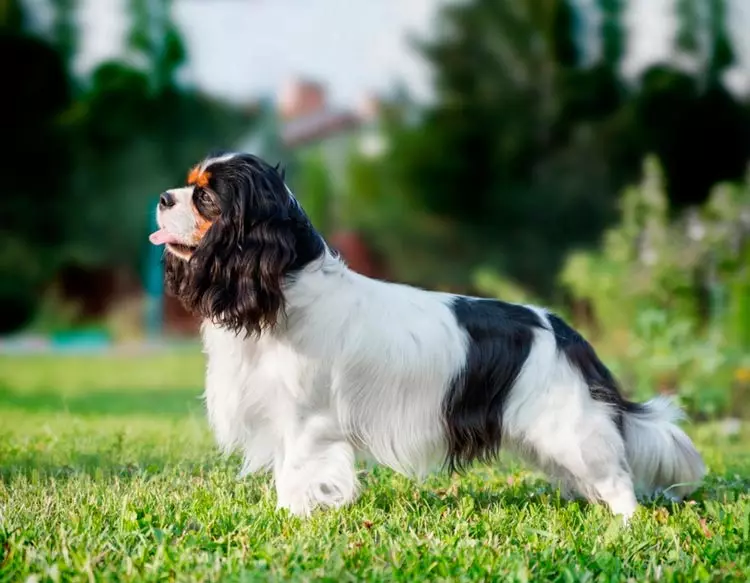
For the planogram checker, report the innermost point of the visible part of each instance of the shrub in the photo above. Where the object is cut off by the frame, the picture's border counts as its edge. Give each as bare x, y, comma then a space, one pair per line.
671, 295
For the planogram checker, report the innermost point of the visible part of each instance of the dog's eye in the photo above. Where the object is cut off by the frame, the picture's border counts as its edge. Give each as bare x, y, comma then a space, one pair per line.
205, 203
202, 197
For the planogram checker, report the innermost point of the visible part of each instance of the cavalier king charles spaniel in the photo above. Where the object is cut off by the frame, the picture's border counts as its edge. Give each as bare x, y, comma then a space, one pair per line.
312, 366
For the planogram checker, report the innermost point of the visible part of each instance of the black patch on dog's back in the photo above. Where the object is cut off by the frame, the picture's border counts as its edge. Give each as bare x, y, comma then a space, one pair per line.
500, 339
602, 385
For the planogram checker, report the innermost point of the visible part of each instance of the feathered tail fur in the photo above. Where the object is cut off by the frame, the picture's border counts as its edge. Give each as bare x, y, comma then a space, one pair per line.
662, 457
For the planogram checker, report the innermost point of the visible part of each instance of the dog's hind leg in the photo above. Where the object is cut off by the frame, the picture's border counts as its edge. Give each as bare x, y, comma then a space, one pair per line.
552, 417
590, 459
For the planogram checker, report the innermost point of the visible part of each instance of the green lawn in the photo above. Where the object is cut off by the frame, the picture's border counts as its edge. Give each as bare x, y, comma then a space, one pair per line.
107, 471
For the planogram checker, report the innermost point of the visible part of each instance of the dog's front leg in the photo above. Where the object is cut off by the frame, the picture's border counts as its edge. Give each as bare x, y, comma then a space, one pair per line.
317, 467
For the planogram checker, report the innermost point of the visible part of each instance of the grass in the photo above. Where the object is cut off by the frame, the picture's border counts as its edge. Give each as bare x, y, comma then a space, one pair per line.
108, 471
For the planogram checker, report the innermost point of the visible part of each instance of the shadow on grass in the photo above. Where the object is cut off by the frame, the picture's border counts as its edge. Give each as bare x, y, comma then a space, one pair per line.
99, 467
502, 497
534, 494
123, 402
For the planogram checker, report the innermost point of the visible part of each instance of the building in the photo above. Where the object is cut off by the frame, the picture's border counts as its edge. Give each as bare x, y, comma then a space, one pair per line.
302, 128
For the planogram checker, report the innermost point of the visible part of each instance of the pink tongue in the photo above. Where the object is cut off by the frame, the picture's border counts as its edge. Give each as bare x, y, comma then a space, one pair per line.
162, 237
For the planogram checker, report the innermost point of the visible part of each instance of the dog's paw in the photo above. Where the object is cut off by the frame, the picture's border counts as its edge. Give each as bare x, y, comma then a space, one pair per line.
301, 508
303, 501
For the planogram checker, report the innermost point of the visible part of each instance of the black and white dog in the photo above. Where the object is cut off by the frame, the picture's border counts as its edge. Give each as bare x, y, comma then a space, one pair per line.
311, 365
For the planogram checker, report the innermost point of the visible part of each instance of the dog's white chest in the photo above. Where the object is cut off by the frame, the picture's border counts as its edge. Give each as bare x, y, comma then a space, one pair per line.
245, 392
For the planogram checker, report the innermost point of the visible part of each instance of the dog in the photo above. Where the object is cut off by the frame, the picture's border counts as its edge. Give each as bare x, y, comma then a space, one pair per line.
312, 366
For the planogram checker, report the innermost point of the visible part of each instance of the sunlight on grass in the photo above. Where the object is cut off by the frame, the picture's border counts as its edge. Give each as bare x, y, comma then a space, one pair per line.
68, 375
132, 489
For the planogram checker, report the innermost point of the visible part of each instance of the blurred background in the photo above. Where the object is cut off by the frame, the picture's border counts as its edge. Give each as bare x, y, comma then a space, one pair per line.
590, 155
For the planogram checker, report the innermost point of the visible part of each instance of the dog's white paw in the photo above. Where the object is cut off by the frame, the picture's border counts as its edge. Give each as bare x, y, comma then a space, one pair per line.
302, 499
624, 507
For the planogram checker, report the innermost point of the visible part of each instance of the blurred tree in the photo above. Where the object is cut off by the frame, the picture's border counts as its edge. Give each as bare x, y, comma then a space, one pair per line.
678, 120
11, 16
64, 33
647, 287
136, 132
527, 148
317, 190
34, 163
612, 32
515, 111
688, 26
82, 169
690, 120
155, 40
721, 54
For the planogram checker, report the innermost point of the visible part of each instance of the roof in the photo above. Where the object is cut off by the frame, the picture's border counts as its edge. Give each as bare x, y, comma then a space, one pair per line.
317, 126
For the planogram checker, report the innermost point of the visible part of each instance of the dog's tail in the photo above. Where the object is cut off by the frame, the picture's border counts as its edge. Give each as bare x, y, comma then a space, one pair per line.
662, 457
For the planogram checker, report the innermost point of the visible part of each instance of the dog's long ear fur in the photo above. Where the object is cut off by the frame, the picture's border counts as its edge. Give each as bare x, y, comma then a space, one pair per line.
237, 280
236, 276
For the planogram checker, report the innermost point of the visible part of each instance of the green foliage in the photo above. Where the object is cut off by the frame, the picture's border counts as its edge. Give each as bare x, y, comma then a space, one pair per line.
490, 284
35, 166
420, 247
90, 157
155, 40
11, 15
108, 472
315, 190
528, 145
688, 19
656, 287
675, 115
721, 55
130, 144
64, 29
503, 152
54, 314
703, 35
613, 33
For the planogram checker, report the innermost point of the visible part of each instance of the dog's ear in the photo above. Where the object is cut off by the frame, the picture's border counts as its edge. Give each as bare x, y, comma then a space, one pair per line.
260, 235
281, 171
237, 273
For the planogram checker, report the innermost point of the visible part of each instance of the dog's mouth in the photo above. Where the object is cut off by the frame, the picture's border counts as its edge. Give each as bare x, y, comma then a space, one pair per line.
172, 243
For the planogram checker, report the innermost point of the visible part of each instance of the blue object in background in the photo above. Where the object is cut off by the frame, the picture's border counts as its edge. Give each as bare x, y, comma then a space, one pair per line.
79, 341
154, 285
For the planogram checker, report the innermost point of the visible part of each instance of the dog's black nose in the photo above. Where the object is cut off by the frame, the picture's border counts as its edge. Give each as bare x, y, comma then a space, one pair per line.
166, 200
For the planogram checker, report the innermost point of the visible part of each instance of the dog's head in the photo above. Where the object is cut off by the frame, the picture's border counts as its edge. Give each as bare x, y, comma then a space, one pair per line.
233, 235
